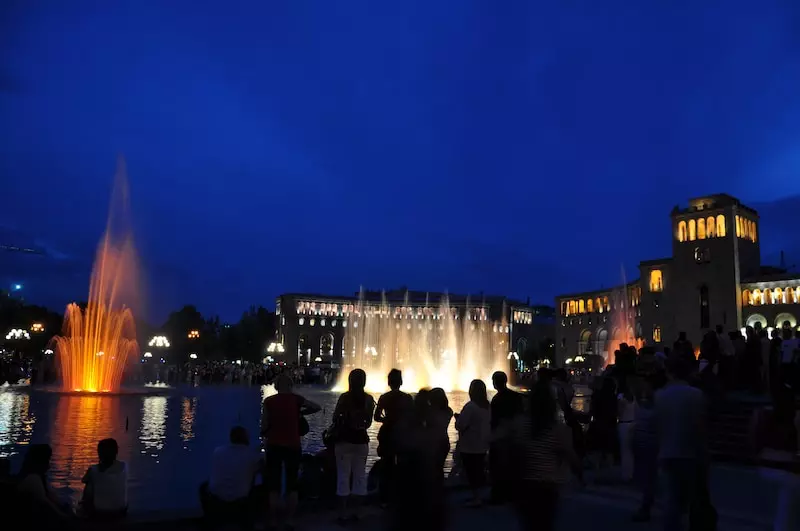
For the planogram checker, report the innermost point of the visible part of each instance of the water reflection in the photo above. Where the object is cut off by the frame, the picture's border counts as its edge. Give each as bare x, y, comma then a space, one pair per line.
16, 422
188, 408
154, 424
80, 422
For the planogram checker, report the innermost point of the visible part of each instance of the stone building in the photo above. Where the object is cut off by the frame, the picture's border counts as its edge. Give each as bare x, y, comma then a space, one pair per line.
713, 277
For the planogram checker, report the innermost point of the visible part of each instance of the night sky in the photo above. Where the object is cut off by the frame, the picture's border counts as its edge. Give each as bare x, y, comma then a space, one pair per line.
513, 147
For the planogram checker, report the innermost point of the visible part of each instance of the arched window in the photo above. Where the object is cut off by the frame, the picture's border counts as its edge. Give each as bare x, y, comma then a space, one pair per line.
701, 229
738, 227
581, 306
326, 345
746, 297
777, 296
758, 297
656, 280
606, 304
755, 232
571, 310
564, 308
682, 235
692, 230
792, 295
598, 305
589, 305
710, 232
720, 226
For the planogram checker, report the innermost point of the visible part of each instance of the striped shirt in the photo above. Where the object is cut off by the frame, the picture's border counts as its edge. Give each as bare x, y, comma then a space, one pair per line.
539, 458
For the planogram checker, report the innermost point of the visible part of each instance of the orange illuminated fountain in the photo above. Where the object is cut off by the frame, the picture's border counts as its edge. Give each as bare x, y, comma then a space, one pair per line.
98, 340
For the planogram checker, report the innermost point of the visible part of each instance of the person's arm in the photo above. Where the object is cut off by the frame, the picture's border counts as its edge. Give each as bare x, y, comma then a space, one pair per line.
379, 411
370, 410
462, 419
264, 418
308, 407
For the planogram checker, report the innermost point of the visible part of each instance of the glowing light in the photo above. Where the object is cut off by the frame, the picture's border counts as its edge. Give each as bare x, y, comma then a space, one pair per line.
148, 354
192, 356
17, 287
37, 327
275, 347
159, 342
193, 334
317, 359
449, 355
568, 361
513, 356
106, 325
18, 333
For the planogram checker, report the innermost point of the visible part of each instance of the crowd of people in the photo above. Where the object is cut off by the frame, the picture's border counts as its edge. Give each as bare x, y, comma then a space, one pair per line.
648, 414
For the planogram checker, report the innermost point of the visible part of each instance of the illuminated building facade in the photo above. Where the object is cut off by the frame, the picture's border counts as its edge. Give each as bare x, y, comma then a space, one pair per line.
714, 277
314, 328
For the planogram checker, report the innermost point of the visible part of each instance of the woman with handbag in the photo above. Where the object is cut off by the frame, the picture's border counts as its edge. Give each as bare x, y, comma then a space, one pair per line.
351, 418
282, 426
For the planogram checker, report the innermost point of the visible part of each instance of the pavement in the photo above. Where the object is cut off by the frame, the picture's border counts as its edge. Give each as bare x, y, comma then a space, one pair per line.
744, 502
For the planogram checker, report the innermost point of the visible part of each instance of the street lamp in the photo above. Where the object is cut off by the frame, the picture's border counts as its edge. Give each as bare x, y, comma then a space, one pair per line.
18, 333
193, 334
158, 341
37, 327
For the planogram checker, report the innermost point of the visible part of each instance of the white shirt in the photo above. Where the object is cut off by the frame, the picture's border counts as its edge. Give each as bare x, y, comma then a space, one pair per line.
109, 487
474, 429
233, 468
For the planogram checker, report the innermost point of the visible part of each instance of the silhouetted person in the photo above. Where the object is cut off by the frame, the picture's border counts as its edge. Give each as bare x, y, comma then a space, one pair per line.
682, 441
281, 428
352, 417
440, 416
683, 347
227, 495
506, 405
474, 434
543, 445
43, 507
389, 411
419, 501
106, 493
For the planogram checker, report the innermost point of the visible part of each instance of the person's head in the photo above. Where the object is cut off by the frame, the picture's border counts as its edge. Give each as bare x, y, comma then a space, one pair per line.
678, 368
787, 333
499, 380
561, 375
37, 460
682, 336
422, 406
762, 333
357, 381
734, 335
107, 450
477, 393
544, 374
750, 332
542, 407
284, 384
395, 379
438, 399
239, 436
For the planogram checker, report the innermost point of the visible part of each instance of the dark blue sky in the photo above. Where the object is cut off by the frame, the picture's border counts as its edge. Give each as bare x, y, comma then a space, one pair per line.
516, 147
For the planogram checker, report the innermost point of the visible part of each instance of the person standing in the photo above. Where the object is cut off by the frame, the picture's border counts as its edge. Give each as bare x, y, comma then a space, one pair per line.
645, 446
540, 446
474, 430
505, 406
680, 412
280, 427
352, 417
106, 493
391, 409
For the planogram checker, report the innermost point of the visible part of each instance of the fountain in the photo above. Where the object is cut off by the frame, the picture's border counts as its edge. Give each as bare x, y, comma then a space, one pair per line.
98, 340
435, 345
623, 321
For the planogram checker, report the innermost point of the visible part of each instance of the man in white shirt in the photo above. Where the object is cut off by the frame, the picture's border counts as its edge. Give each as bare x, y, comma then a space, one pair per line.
233, 470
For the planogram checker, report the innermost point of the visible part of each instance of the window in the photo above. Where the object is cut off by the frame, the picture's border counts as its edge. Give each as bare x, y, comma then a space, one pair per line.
701, 229
710, 227
720, 226
581, 306
656, 280
738, 221
657, 334
777, 296
746, 297
705, 314
682, 231
598, 305
692, 230
563, 307
589, 305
